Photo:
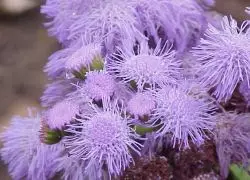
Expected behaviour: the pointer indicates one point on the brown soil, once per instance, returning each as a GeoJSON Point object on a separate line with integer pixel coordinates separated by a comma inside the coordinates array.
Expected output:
{"type": "Point", "coordinates": [146, 169]}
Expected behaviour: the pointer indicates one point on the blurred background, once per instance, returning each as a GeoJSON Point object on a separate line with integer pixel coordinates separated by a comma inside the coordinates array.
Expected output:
{"type": "Point", "coordinates": [25, 47]}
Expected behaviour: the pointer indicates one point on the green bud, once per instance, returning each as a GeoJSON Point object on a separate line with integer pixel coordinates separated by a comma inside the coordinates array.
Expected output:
{"type": "Point", "coordinates": [50, 136]}
{"type": "Point", "coordinates": [81, 74]}
{"type": "Point", "coordinates": [133, 84]}
{"type": "Point", "coordinates": [143, 130]}
{"type": "Point", "coordinates": [97, 63]}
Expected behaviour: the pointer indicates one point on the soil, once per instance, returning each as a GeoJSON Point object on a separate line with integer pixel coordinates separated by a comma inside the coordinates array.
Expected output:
{"type": "Point", "coordinates": [172, 163]}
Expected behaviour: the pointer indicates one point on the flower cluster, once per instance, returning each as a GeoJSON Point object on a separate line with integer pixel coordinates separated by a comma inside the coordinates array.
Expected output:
{"type": "Point", "coordinates": [133, 77]}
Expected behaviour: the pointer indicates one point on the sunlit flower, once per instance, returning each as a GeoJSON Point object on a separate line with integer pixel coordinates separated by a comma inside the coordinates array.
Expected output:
{"type": "Point", "coordinates": [104, 138]}
{"type": "Point", "coordinates": [61, 113]}
{"type": "Point", "coordinates": [184, 114]}
{"type": "Point", "coordinates": [146, 66]}
{"type": "Point", "coordinates": [26, 156]}
{"type": "Point", "coordinates": [223, 58]}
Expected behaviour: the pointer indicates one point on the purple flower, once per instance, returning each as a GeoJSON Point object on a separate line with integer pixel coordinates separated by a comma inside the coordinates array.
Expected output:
{"type": "Point", "coordinates": [147, 67]}
{"type": "Point", "coordinates": [83, 53]}
{"type": "Point", "coordinates": [179, 21]}
{"type": "Point", "coordinates": [83, 57]}
{"type": "Point", "coordinates": [232, 140]}
{"type": "Point", "coordinates": [62, 13]}
{"type": "Point", "coordinates": [111, 22]}
{"type": "Point", "coordinates": [184, 114]}
{"type": "Point", "coordinates": [223, 58]}
{"type": "Point", "coordinates": [141, 104]}
{"type": "Point", "coordinates": [70, 168]}
{"type": "Point", "coordinates": [103, 138]}
{"type": "Point", "coordinates": [26, 156]}
{"type": "Point", "coordinates": [57, 91]}
{"type": "Point", "coordinates": [55, 68]}
{"type": "Point", "coordinates": [98, 85]}
{"type": "Point", "coordinates": [61, 113]}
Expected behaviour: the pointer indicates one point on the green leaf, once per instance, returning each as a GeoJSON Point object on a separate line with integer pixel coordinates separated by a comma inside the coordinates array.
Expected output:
{"type": "Point", "coordinates": [143, 130]}
{"type": "Point", "coordinates": [238, 173]}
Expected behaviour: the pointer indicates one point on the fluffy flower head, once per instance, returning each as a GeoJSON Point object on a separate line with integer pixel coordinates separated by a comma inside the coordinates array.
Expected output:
{"type": "Point", "coordinates": [183, 114]}
{"type": "Point", "coordinates": [98, 85]}
{"type": "Point", "coordinates": [104, 137]}
{"type": "Point", "coordinates": [141, 104]}
{"type": "Point", "coordinates": [224, 57]}
{"type": "Point", "coordinates": [83, 57]}
{"type": "Point", "coordinates": [62, 13]}
{"type": "Point", "coordinates": [147, 67]}
{"type": "Point", "coordinates": [110, 22]}
{"type": "Point", "coordinates": [26, 156]}
{"type": "Point", "coordinates": [61, 113]}
{"type": "Point", "coordinates": [179, 21]}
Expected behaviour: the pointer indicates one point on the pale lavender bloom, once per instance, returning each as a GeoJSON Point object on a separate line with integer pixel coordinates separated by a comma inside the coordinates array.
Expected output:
{"type": "Point", "coordinates": [223, 58]}
{"type": "Point", "coordinates": [62, 13]}
{"type": "Point", "coordinates": [79, 55]}
{"type": "Point", "coordinates": [180, 21]}
{"type": "Point", "coordinates": [71, 169]}
{"type": "Point", "coordinates": [110, 22]}
{"type": "Point", "coordinates": [83, 57]}
{"type": "Point", "coordinates": [244, 89]}
{"type": "Point", "coordinates": [141, 104]}
{"type": "Point", "coordinates": [104, 138]}
{"type": "Point", "coordinates": [57, 91]}
{"type": "Point", "coordinates": [183, 113]}
{"type": "Point", "coordinates": [43, 164]}
{"type": "Point", "coordinates": [55, 68]}
{"type": "Point", "coordinates": [232, 140]}
{"type": "Point", "coordinates": [61, 113]}
{"type": "Point", "coordinates": [22, 150]}
{"type": "Point", "coordinates": [98, 85]}
{"type": "Point", "coordinates": [146, 66]}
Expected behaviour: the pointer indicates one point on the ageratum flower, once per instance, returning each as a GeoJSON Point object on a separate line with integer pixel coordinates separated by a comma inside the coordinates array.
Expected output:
{"type": "Point", "coordinates": [70, 168]}
{"type": "Point", "coordinates": [55, 67]}
{"type": "Point", "coordinates": [111, 22]}
{"type": "Point", "coordinates": [57, 91]}
{"type": "Point", "coordinates": [182, 22]}
{"type": "Point", "coordinates": [62, 13]}
{"type": "Point", "coordinates": [61, 113]}
{"type": "Point", "coordinates": [141, 104]}
{"type": "Point", "coordinates": [83, 57]}
{"type": "Point", "coordinates": [223, 57]}
{"type": "Point", "coordinates": [146, 67]}
{"type": "Point", "coordinates": [98, 85]}
{"type": "Point", "coordinates": [184, 114]}
{"type": "Point", "coordinates": [104, 138]}
{"type": "Point", "coordinates": [84, 54]}
{"type": "Point", "coordinates": [232, 140]}
{"type": "Point", "coordinates": [26, 156]}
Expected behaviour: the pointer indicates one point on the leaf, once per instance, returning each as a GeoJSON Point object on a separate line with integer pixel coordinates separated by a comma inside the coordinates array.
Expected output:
{"type": "Point", "coordinates": [238, 173]}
